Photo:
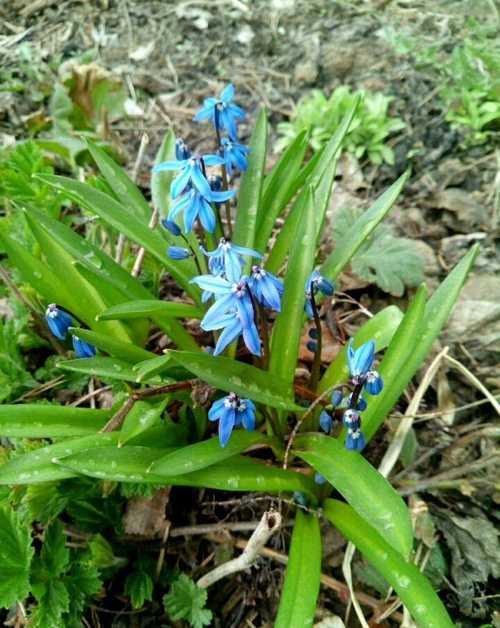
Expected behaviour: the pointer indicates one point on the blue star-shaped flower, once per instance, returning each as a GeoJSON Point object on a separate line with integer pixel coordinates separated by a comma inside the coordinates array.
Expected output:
{"type": "Point", "coordinates": [266, 288]}
{"type": "Point", "coordinates": [196, 205]}
{"type": "Point", "coordinates": [191, 173]}
{"type": "Point", "coordinates": [222, 112]}
{"type": "Point", "coordinates": [235, 155]}
{"type": "Point", "coordinates": [316, 283]}
{"type": "Point", "coordinates": [225, 259]}
{"type": "Point", "coordinates": [58, 321]}
{"type": "Point", "coordinates": [231, 412]}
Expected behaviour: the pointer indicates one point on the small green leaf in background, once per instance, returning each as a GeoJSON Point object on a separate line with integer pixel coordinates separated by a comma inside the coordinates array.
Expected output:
{"type": "Point", "coordinates": [187, 601]}
{"type": "Point", "coordinates": [410, 584]}
{"type": "Point", "coordinates": [15, 557]}
{"type": "Point", "coordinates": [302, 577]}
{"type": "Point", "coordinates": [139, 587]}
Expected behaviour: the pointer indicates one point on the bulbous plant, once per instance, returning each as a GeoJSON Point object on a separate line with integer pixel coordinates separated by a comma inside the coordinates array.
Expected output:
{"type": "Point", "coordinates": [253, 295]}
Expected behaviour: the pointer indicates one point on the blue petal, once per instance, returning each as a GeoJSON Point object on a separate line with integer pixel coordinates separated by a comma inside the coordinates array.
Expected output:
{"type": "Point", "coordinates": [363, 358]}
{"type": "Point", "coordinates": [271, 295]}
{"type": "Point", "coordinates": [243, 250]}
{"type": "Point", "coordinates": [199, 181]}
{"type": "Point", "coordinates": [227, 94]}
{"type": "Point", "coordinates": [180, 182]}
{"type": "Point", "coordinates": [204, 113]}
{"type": "Point", "coordinates": [221, 197]}
{"type": "Point", "coordinates": [213, 319]}
{"type": "Point", "coordinates": [226, 424]}
{"type": "Point", "coordinates": [213, 160]}
{"type": "Point", "coordinates": [216, 409]}
{"type": "Point", "coordinates": [232, 265]}
{"type": "Point", "coordinates": [215, 284]}
{"type": "Point", "coordinates": [206, 216]}
{"type": "Point", "coordinates": [248, 417]}
{"type": "Point", "coordinates": [228, 335]}
{"type": "Point", "coordinates": [325, 422]}
{"type": "Point", "coordinates": [245, 310]}
{"type": "Point", "coordinates": [251, 339]}
{"type": "Point", "coordinates": [170, 165]}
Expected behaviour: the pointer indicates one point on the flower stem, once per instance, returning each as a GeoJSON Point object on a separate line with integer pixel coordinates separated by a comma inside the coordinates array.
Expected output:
{"type": "Point", "coordinates": [313, 381]}
{"type": "Point", "coordinates": [195, 256]}
{"type": "Point", "coordinates": [225, 182]}
{"type": "Point", "coordinates": [265, 335]}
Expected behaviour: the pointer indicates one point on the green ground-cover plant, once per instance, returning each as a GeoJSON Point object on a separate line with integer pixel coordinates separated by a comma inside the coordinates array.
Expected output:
{"type": "Point", "coordinates": [368, 132]}
{"type": "Point", "coordinates": [158, 431]}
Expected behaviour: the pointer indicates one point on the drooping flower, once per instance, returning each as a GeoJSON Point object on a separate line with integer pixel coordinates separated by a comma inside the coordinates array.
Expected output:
{"type": "Point", "coordinates": [266, 288]}
{"type": "Point", "coordinates": [336, 398]}
{"type": "Point", "coordinates": [222, 112]}
{"type": "Point", "coordinates": [235, 155]}
{"type": "Point", "coordinates": [320, 479]}
{"type": "Point", "coordinates": [196, 205]}
{"type": "Point", "coordinates": [351, 419]}
{"type": "Point", "coordinates": [316, 283]}
{"type": "Point", "coordinates": [374, 383]}
{"type": "Point", "coordinates": [232, 411]}
{"type": "Point", "coordinates": [171, 226]}
{"type": "Point", "coordinates": [82, 348]}
{"type": "Point", "coordinates": [355, 440]}
{"type": "Point", "coordinates": [58, 321]}
{"type": "Point", "coordinates": [325, 421]}
{"type": "Point", "coordinates": [360, 360]}
{"type": "Point", "coordinates": [226, 258]}
{"type": "Point", "coordinates": [361, 404]}
{"type": "Point", "coordinates": [178, 253]}
{"type": "Point", "coordinates": [191, 173]}
{"type": "Point", "coordinates": [232, 312]}
{"type": "Point", "coordinates": [181, 150]}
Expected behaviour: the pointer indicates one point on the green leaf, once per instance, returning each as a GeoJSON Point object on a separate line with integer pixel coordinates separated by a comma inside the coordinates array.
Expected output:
{"type": "Point", "coordinates": [302, 577]}
{"type": "Point", "coordinates": [49, 421]}
{"type": "Point", "coordinates": [288, 326]}
{"type": "Point", "coordinates": [103, 556]}
{"type": "Point", "coordinates": [139, 588]}
{"type": "Point", "coordinates": [143, 415]}
{"type": "Point", "coordinates": [113, 213]}
{"type": "Point", "coordinates": [53, 602]}
{"type": "Point", "coordinates": [279, 188]}
{"type": "Point", "coordinates": [358, 482]}
{"type": "Point", "coordinates": [351, 241]}
{"type": "Point", "coordinates": [109, 368]}
{"type": "Point", "coordinates": [161, 181]}
{"type": "Point", "coordinates": [437, 311]}
{"type": "Point", "coordinates": [243, 379]}
{"type": "Point", "coordinates": [249, 194]}
{"type": "Point", "coordinates": [54, 557]}
{"type": "Point", "coordinates": [90, 300]}
{"type": "Point", "coordinates": [15, 557]}
{"type": "Point", "coordinates": [122, 185]}
{"type": "Point", "coordinates": [150, 308]}
{"type": "Point", "coordinates": [187, 601]}
{"type": "Point", "coordinates": [115, 348]}
{"type": "Point", "coordinates": [132, 463]}
{"type": "Point", "coordinates": [380, 329]}
{"type": "Point", "coordinates": [410, 584]}
{"type": "Point", "coordinates": [205, 453]}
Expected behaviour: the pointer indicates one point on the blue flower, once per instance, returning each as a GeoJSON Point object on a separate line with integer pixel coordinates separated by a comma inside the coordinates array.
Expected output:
{"type": "Point", "coordinates": [316, 283]}
{"type": "Point", "coordinates": [232, 411]}
{"type": "Point", "coordinates": [360, 405]}
{"type": "Point", "coordinates": [351, 419]}
{"type": "Point", "coordinates": [266, 288]}
{"type": "Point", "coordinates": [83, 349]}
{"type": "Point", "coordinates": [373, 383]}
{"type": "Point", "coordinates": [178, 252]}
{"type": "Point", "coordinates": [222, 112]}
{"type": "Point", "coordinates": [196, 205]}
{"type": "Point", "coordinates": [320, 479]}
{"type": "Point", "coordinates": [235, 155]}
{"type": "Point", "coordinates": [58, 321]}
{"type": "Point", "coordinates": [360, 360]}
{"type": "Point", "coordinates": [325, 422]}
{"type": "Point", "coordinates": [355, 440]}
{"type": "Point", "coordinates": [191, 173]}
{"type": "Point", "coordinates": [336, 398]}
{"type": "Point", "coordinates": [226, 259]}
{"type": "Point", "coordinates": [312, 346]}
{"type": "Point", "coordinates": [232, 312]}
{"type": "Point", "coordinates": [171, 226]}
{"type": "Point", "coordinates": [181, 150]}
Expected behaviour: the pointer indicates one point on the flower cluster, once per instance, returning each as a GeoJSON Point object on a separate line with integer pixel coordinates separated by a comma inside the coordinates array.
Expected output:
{"type": "Point", "coordinates": [59, 322]}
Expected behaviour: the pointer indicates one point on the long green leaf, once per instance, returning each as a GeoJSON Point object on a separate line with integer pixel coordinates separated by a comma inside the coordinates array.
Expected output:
{"type": "Point", "coordinates": [122, 185]}
{"type": "Point", "coordinates": [368, 492]}
{"type": "Point", "coordinates": [116, 348]}
{"type": "Point", "coordinates": [143, 416]}
{"type": "Point", "coordinates": [278, 188]}
{"type": "Point", "coordinates": [302, 577]}
{"type": "Point", "coordinates": [437, 312]}
{"type": "Point", "coordinates": [108, 368]}
{"type": "Point", "coordinates": [251, 186]}
{"type": "Point", "coordinates": [205, 453]}
{"type": "Point", "coordinates": [412, 587]}
{"type": "Point", "coordinates": [113, 213]}
{"type": "Point", "coordinates": [380, 329]}
{"type": "Point", "coordinates": [362, 228]}
{"type": "Point", "coordinates": [149, 308]}
{"type": "Point", "coordinates": [288, 325]}
{"type": "Point", "coordinates": [131, 464]}
{"type": "Point", "coordinates": [243, 379]}
{"type": "Point", "coordinates": [49, 421]}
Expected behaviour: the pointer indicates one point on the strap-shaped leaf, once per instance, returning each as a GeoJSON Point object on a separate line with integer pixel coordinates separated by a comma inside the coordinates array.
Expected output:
{"type": "Point", "coordinates": [243, 379]}
{"type": "Point", "coordinates": [288, 325]}
{"type": "Point", "coordinates": [116, 348]}
{"type": "Point", "coordinates": [380, 329]}
{"type": "Point", "coordinates": [302, 577]}
{"type": "Point", "coordinates": [404, 366]}
{"type": "Point", "coordinates": [150, 308]}
{"type": "Point", "coordinates": [49, 421]}
{"type": "Point", "coordinates": [368, 492]}
{"type": "Point", "coordinates": [143, 416]}
{"type": "Point", "coordinates": [122, 185]}
{"type": "Point", "coordinates": [279, 188]}
{"type": "Point", "coordinates": [362, 228]}
{"type": "Point", "coordinates": [249, 194]}
{"type": "Point", "coordinates": [113, 213]}
{"type": "Point", "coordinates": [131, 464]}
{"type": "Point", "coordinates": [410, 584]}
{"type": "Point", "coordinates": [205, 453]}
{"type": "Point", "coordinates": [108, 368]}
